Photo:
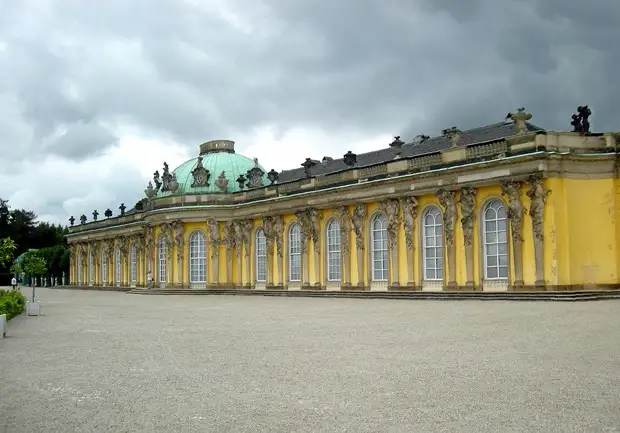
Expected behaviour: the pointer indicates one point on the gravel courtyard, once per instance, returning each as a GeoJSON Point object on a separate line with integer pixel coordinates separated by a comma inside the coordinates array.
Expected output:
{"type": "Point", "coordinates": [101, 361]}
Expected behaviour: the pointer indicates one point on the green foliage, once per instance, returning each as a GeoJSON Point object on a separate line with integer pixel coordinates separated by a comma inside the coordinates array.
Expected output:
{"type": "Point", "coordinates": [11, 303]}
{"type": "Point", "coordinates": [27, 233]}
{"type": "Point", "coordinates": [16, 268]}
{"type": "Point", "coordinates": [7, 249]}
{"type": "Point", "coordinates": [34, 264]}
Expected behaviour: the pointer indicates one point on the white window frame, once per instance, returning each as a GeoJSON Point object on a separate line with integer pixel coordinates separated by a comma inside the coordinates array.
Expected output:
{"type": "Point", "coordinates": [495, 241]}
{"type": "Point", "coordinates": [379, 248]}
{"type": "Point", "coordinates": [433, 244]}
{"type": "Point", "coordinates": [294, 253]}
{"type": "Point", "coordinates": [261, 256]}
{"type": "Point", "coordinates": [162, 258]}
{"type": "Point", "coordinates": [197, 257]}
{"type": "Point", "coordinates": [334, 251]}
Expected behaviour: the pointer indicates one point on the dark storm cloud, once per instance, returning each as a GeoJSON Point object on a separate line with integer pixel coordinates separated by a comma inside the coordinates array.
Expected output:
{"type": "Point", "coordinates": [177, 69]}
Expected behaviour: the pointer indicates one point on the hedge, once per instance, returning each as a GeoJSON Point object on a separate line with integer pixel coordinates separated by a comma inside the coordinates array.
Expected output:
{"type": "Point", "coordinates": [11, 303]}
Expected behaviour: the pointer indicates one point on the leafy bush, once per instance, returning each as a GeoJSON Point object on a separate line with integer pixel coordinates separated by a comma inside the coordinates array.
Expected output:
{"type": "Point", "coordinates": [11, 303]}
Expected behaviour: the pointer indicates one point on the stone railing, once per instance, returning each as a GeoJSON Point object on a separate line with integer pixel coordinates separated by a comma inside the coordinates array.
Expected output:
{"type": "Point", "coordinates": [487, 149]}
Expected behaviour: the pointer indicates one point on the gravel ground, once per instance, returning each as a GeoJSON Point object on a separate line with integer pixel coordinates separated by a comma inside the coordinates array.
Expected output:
{"type": "Point", "coordinates": [101, 361]}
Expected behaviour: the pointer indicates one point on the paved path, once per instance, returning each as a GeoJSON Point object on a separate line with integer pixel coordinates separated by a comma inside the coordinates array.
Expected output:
{"type": "Point", "coordinates": [100, 361]}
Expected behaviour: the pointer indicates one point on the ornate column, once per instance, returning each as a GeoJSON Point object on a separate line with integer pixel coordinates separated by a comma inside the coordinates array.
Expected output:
{"type": "Point", "coordinates": [306, 234]}
{"type": "Point", "coordinates": [538, 196]}
{"type": "Point", "coordinates": [168, 234]}
{"type": "Point", "coordinates": [392, 212]}
{"type": "Point", "coordinates": [447, 199]}
{"type": "Point", "coordinates": [314, 218]}
{"type": "Point", "coordinates": [358, 218]}
{"type": "Point", "coordinates": [468, 206]}
{"type": "Point", "coordinates": [125, 271]}
{"type": "Point", "coordinates": [84, 257]}
{"type": "Point", "coordinates": [138, 242]}
{"type": "Point", "coordinates": [148, 234]}
{"type": "Point", "coordinates": [512, 190]}
{"type": "Point", "coordinates": [229, 243]}
{"type": "Point", "coordinates": [213, 227]}
{"type": "Point", "coordinates": [247, 241]}
{"type": "Point", "coordinates": [238, 227]}
{"type": "Point", "coordinates": [345, 242]}
{"type": "Point", "coordinates": [278, 229]}
{"type": "Point", "coordinates": [409, 206]}
{"type": "Point", "coordinates": [269, 229]}
{"type": "Point", "coordinates": [178, 230]}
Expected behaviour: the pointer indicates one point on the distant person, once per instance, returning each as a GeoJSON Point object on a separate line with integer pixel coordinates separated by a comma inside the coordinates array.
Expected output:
{"type": "Point", "coordinates": [14, 283]}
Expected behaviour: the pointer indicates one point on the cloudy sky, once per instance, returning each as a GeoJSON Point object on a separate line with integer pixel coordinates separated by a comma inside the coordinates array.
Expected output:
{"type": "Point", "coordinates": [95, 95]}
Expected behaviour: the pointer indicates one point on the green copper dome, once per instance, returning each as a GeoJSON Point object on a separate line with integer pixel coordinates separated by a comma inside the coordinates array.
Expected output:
{"type": "Point", "coordinates": [209, 171]}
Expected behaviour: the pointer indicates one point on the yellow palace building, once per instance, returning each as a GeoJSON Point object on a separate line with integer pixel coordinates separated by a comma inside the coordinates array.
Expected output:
{"type": "Point", "coordinates": [504, 207]}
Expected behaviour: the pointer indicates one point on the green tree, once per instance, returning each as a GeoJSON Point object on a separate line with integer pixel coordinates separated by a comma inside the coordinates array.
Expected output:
{"type": "Point", "coordinates": [34, 266]}
{"type": "Point", "coordinates": [7, 251]}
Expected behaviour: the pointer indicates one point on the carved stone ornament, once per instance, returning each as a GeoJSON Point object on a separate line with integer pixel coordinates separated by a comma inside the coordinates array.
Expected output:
{"type": "Point", "coordinates": [221, 182]}
{"type": "Point", "coordinates": [237, 228]}
{"type": "Point", "coordinates": [178, 229]}
{"type": "Point", "coordinates": [213, 229]}
{"type": "Point", "coordinates": [468, 206]}
{"type": "Point", "coordinates": [314, 220]}
{"type": "Point", "coordinates": [580, 121]}
{"type": "Point", "coordinates": [83, 219]}
{"type": "Point", "coordinates": [269, 230]}
{"type": "Point", "coordinates": [157, 180]}
{"type": "Point", "coordinates": [519, 118]}
{"type": "Point", "coordinates": [345, 227]}
{"type": "Point", "coordinates": [247, 235]}
{"type": "Point", "coordinates": [200, 174]}
{"type": "Point", "coordinates": [358, 217]}
{"type": "Point", "coordinates": [512, 190]}
{"type": "Point", "coordinates": [391, 209]}
{"type": "Point", "coordinates": [229, 235]}
{"type": "Point", "coordinates": [278, 231]}
{"type": "Point", "coordinates": [538, 196]}
{"type": "Point", "coordinates": [255, 175]}
{"type": "Point", "coordinates": [72, 220]}
{"type": "Point", "coordinates": [150, 192]}
{"type": "Point", "coordinates": [409, 205]}
{"type": "Point", "coordinates": [306, 228]}
{"type": "Point", "coordinates": [447, 199]}
{"type": "Point", "coordinates": [149, 237]}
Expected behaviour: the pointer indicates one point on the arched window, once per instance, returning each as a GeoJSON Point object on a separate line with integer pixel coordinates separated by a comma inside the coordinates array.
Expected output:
{"type": "Point", "coordinates": [91, 267]}
{"type": "Point", "coordinates": [104, 268]}
{"type": "Point", "coordinates": [334, 257]}
{"type": "Point", "coordinates": [117, 265]}
{"type": "Point", "coordinates": [133, 264]}
{"type": "Point", "coordinates": [261, 256]}
{"type": "Point", "coordinates": [294, 253]}
{"type": "Point", "coordinates": [161, 253]}
{"type": "Point", "coordinates": [379, 238]}
{"type": "Point", "coordinates": [432, 243]}
{"type": "Point", "coordinates": [197, 258]}
{"type": "Point", "coordinates": [79, 268]}
{"type": "Point", "coordinates": [495, 241]}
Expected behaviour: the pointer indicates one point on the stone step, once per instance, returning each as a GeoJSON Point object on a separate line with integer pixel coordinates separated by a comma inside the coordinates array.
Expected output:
{"type": "Point", "coordinates": [512, 296]}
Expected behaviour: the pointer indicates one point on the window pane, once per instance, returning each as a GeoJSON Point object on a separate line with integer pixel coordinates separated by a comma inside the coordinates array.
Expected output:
{"type": "Point", "coordinates": [503, 272]}
{"type": "Point", "coordinates": [491, 226]}
{"type": "Point", "coordinates": [492, 272]}
{"type": "Point", "coordinates": [492, 261]}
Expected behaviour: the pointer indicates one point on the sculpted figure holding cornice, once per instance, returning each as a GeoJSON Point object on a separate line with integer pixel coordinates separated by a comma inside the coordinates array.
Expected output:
{"type": "Point", "coordinates": [247, 235]}
{"type": "Point", "coordinates": [229, 235]}
{"type": "Point", "coordinates": [306, 229]}
{"type": "Point", "coordinates": [447, 199]}
{"type": "Point", "coordinates": [278, 230]}
{"type": "Point", "coordinates": [409, 206]}
{"type": "Point", "coordinates": [269, 230]}
{"type": "Point", "coordinates": [238, 227]}
{"type": "Point", "coordinates": [314, 219]}
{"type": "Point", "coordinates": [345, 227]}
{"type": "Point", "coordinates": [512, 190]}
{"type": "Point", "coordinates": [178, 228]}
{"type": "Point", "coordinates": [538, 195]}
{"type": "Point", "coordinates": [468, 205]}
{"type": "Point", "coordinates": [391, 209]}
{"type": "Point", "coordinates": [358, 218]}
{"type": "Point", "coordinates": [213, 229]}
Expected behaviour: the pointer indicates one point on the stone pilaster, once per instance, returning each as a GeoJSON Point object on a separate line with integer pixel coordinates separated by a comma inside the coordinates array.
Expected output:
{"type": "Point", "coordinates": [538, 196]}
{"type": "Point", "coordinates": [409, 206]}
{"type": "Point", "coordinates": [468, 206]}
{"type": "Point", "coordinates": [345, 244]}
{"type": "Point", "coordinates": [278, 228]}
{"type": "Point", "coordinates": [306, 235]}
{"type": "Point", "coordinates": [391, 209]}
{"type": "Point", "coordinates": [149, 252]}
{"type": "Point", "coordinates": [213, 227]}
{"type": "Point", "coordinates": [512, 190]}
{"type": "Point", "coordinates": [229, 243]}
{"type": "Point", "coordinates": [269, 230]}
{"type": "Point", "coordinates": [447, 199]}
{"type": "Point", "coordinates": [246, 226]}
{"type": "Point", "coordinates": [358, 218]}
{"type": "Point", "coordinates": [178, 231]}
{"type": "Point", "coordinates": [314, 219]}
